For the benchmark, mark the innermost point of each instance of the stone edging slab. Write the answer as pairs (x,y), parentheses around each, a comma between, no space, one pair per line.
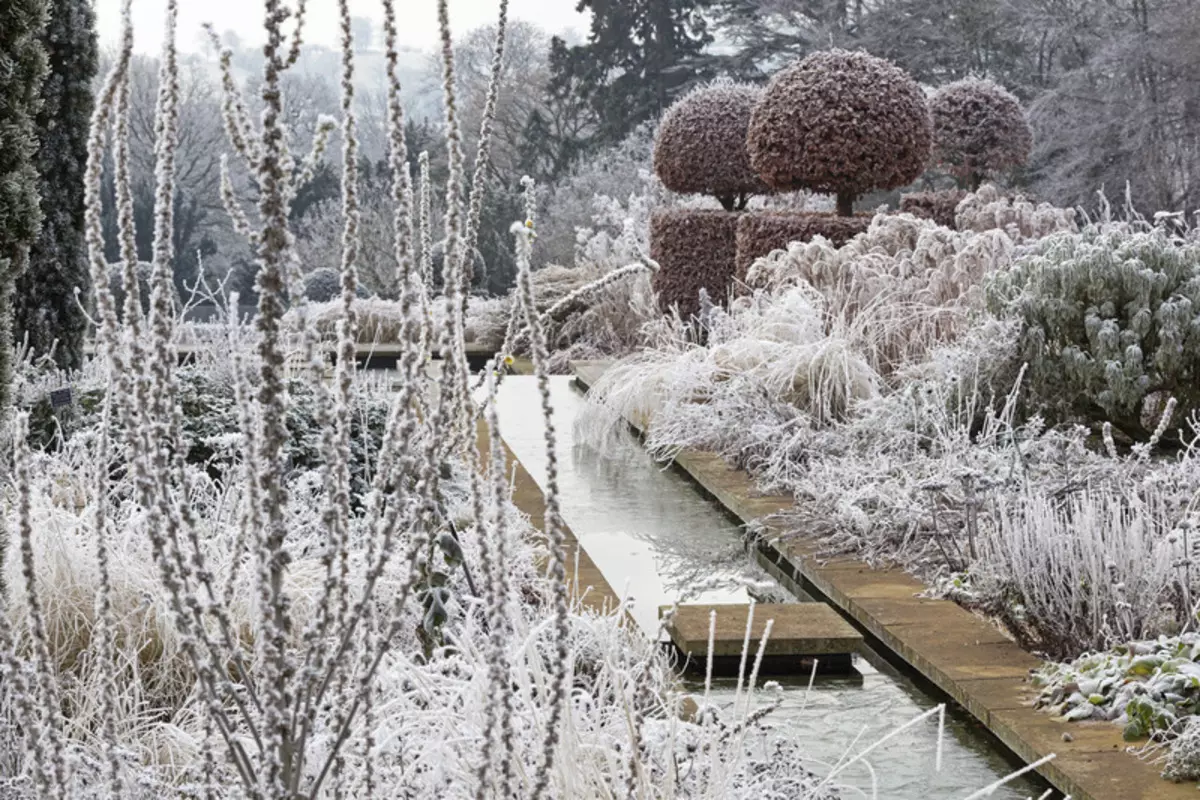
(962,654)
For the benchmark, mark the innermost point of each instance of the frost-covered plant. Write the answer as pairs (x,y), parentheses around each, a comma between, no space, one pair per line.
(979,130)
(1022,219)
(1085,569)
(324,284)
(1109,321)
(840,122)
(700,146)
(914,280)
(1150,687)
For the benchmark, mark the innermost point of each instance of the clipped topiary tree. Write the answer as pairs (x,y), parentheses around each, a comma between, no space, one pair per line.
(1109,320)
(979,130)
(841,123)
(700,146)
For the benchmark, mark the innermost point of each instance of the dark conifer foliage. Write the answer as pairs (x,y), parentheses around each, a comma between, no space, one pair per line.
(640,56)
(44,305)
(22,69)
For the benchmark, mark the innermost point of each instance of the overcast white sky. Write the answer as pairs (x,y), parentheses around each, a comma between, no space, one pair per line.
(417,19)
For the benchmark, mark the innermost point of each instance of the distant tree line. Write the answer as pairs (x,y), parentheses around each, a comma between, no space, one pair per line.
(1109,86)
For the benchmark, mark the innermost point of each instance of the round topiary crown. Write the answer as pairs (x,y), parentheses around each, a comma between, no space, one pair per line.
(979,129)
(840,122)
(700,147)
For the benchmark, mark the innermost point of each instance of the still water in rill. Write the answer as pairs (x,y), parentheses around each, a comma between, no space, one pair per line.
(658,541)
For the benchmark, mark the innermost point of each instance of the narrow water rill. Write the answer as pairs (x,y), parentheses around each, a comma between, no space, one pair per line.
(657,540)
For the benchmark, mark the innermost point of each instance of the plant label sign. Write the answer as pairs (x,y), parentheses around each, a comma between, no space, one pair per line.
(60,397)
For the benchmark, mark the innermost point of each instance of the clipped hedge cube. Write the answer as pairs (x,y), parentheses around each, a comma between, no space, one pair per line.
(695,249)
(760,233)
(937,206)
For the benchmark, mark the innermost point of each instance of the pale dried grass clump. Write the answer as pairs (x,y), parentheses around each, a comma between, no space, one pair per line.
(775,347)
(907,283)
(1022,219)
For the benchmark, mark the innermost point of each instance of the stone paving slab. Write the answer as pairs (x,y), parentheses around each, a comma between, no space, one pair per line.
(798,629)
(964,655)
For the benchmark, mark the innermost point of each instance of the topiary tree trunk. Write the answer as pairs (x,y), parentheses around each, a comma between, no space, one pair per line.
(44,306)
(845,204)
(734,201)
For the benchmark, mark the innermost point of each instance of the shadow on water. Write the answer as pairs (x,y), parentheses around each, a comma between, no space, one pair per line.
(658,540)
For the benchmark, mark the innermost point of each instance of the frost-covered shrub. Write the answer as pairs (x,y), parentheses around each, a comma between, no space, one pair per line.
(324,285)
(1110,318)
(478,266)
(695,249)
(843,123)
(988,209)
(700,147)
(938,206)
(979,130)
